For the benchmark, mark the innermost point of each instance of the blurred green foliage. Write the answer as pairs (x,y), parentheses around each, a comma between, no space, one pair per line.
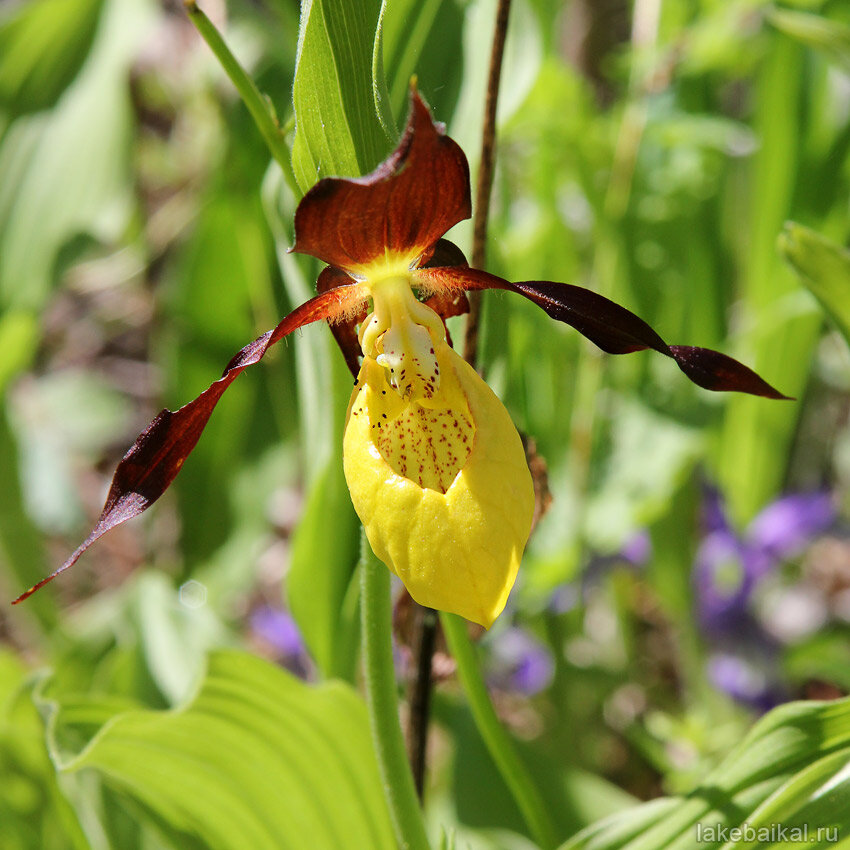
(652,152)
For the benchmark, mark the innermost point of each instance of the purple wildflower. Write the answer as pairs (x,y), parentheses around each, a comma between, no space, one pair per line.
(744,681)
(276,628)
(727,571)
(785,527)
(521,663)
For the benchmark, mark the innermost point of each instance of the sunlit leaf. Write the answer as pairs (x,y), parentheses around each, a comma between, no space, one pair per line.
(832,37)
(423,39)
(790,770)
(66,173)
(338,128)
(257,759)
(824,268)
(43,44)
(325,550)
(33,811)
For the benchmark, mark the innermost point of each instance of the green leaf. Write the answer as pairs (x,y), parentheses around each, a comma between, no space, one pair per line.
(832,37)
(67,172)
(319,583)
(337,98)
(790,770)
(424,38)
(824,268)
(783,327)
(42,46)
(257,759)
(574,797)
(33,811)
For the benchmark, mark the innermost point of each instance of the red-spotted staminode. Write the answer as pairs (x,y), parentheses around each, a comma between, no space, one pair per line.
(435,467)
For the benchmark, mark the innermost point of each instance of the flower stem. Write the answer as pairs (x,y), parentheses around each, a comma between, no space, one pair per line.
(496,738)
(419,691)
(484,183)
(257,104)
(382,701)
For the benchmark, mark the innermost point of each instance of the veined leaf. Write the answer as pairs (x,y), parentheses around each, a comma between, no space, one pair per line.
(33,811)
(257,759)
(789,771)
(338,117)
(824,268)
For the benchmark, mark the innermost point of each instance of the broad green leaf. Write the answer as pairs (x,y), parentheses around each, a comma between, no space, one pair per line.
(66,173)
(43,44)
(423,38)
(319,587)
(338,128)
(832,37)
(790,770)
(257,759)
(824,268)
(33,811)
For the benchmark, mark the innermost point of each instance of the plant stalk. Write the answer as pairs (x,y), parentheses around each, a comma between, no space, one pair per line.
(382,702)
(419,693)
(496,738)
(484,184)
(257,104)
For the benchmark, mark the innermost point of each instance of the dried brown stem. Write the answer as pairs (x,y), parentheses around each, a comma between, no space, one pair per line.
(419,694)
(484,184)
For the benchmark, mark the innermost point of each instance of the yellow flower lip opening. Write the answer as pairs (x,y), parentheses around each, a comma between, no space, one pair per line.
(436,469)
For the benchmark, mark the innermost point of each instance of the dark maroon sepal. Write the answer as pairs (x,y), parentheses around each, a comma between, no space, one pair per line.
(344,330)
(612,327)
(154,460)
(398,211)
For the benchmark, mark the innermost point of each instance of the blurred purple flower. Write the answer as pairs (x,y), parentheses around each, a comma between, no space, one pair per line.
(729,566)
(276,628)
(637,550)
(745,682)
(785,527)
(521,663)
(728,569)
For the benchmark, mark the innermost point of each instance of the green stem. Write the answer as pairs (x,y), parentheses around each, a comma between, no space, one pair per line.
(260,108)
(382,701)
(496,738)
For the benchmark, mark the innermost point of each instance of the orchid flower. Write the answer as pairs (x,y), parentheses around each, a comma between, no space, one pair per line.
(436,469)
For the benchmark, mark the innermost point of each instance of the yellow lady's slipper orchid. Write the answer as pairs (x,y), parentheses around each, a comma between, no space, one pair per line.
(435,467)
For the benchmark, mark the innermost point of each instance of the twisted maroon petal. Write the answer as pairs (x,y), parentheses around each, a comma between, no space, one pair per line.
(398,211)
(612,327)
(154,460)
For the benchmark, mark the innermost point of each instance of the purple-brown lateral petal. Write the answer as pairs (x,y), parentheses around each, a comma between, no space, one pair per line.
(156,457)
(344,330)
(613,328)
(398,211)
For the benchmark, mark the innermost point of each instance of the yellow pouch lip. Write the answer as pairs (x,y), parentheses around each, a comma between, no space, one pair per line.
(458,551)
